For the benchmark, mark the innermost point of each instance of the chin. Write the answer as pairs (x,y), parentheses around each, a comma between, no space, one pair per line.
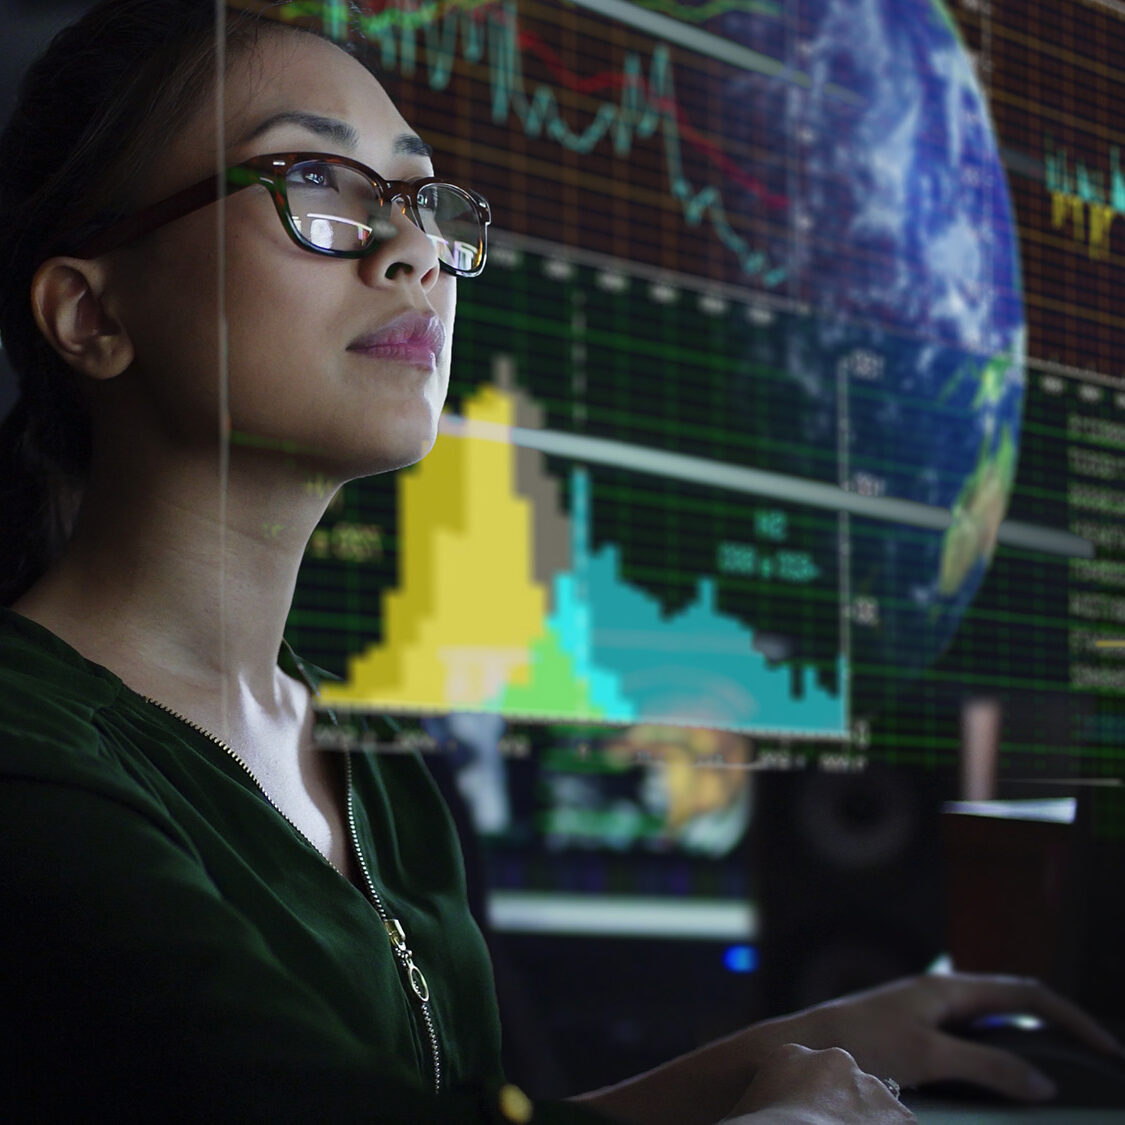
(400,454)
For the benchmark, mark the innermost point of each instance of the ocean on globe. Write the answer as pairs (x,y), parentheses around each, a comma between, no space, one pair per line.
(905,315)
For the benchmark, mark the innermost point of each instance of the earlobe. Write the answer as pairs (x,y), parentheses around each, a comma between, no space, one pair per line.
(67,298)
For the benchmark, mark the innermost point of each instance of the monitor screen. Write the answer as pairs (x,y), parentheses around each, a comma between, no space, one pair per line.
(790,403)
(786,426)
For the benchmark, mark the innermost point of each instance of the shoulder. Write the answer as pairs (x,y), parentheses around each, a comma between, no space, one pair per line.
(51,705)
(39,669)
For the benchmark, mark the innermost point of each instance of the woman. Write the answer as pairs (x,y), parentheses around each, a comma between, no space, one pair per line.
(200,369)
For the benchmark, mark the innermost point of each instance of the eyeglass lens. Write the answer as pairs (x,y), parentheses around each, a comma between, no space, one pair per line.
(335,207)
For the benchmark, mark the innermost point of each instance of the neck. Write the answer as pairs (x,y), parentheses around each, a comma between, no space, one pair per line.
(184,578)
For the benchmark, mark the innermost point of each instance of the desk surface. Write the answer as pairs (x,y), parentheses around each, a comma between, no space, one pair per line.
(935,1114)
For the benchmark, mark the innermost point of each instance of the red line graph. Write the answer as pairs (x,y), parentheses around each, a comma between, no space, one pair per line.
(596,83)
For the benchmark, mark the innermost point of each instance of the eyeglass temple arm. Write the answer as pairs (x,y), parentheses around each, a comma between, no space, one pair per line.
(166,211)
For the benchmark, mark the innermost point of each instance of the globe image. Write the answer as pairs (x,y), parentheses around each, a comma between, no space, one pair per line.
(909,346)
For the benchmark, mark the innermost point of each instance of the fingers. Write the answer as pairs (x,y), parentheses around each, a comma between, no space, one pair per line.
(819,1086)
(994,1069)
(971,995)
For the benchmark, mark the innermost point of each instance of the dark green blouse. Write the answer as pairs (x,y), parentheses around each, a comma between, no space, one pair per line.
(174,948)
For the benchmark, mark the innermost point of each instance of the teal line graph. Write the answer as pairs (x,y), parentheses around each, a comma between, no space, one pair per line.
(708,10)
(1082,197)
(334,16)
(490,32)
(1084,183)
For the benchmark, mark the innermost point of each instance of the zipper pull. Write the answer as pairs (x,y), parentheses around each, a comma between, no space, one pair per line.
(398,940)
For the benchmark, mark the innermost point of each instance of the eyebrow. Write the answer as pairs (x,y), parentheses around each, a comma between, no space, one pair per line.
(339,132)
(410,144)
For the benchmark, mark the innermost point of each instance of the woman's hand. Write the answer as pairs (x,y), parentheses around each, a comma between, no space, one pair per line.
(896,1030)
(795,1084)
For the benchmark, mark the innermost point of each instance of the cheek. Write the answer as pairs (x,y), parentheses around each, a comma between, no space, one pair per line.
(171,311)
(278,323)
(445,299)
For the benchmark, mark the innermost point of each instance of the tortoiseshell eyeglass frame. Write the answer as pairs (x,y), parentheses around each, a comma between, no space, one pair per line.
(271,172)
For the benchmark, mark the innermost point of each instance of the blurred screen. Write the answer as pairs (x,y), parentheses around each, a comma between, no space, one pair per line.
(790,403)
(787,422)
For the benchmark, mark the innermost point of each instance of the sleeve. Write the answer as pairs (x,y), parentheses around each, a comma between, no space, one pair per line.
(132,989)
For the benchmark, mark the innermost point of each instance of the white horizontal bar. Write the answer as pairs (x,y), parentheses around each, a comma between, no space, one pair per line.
(622,915)
(758,482)
(1058,810)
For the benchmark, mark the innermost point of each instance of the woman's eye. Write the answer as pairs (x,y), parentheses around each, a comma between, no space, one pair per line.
(316,175)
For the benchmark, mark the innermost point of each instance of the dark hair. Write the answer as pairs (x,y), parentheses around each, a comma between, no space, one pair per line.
(92,114)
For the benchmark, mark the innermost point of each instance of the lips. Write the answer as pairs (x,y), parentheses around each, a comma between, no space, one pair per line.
(416,338)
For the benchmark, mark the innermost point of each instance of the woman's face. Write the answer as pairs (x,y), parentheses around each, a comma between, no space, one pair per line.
(299,379)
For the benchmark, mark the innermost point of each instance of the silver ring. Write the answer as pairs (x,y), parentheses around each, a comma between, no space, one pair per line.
(893,1086)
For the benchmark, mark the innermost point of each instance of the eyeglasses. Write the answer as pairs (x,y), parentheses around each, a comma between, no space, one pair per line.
(330,205)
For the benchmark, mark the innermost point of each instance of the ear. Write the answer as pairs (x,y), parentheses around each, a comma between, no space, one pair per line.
(68,301)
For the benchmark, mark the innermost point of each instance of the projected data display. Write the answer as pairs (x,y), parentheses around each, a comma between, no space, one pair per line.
(791,400)
(608,584)
(750,286)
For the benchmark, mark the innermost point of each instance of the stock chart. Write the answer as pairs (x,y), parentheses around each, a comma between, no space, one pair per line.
(791,400)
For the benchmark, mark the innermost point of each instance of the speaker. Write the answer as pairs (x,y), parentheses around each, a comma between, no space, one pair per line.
(849,881)
(1094,928)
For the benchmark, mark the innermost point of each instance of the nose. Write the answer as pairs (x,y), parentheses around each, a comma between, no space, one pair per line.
(406,252)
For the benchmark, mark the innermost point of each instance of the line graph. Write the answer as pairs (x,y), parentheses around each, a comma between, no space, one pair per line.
(611,80)
(644,106)
(334,14)
(490,34)
(1082,197)
(709,10)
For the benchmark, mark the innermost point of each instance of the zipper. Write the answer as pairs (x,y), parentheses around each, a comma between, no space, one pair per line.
(396,935)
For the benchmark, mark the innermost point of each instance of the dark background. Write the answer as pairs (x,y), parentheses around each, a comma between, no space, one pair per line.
(623,1004)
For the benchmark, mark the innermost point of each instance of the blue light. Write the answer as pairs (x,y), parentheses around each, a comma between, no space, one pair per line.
(740,958)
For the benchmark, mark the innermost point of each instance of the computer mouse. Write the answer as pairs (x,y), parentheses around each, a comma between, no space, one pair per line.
(1084,1076)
